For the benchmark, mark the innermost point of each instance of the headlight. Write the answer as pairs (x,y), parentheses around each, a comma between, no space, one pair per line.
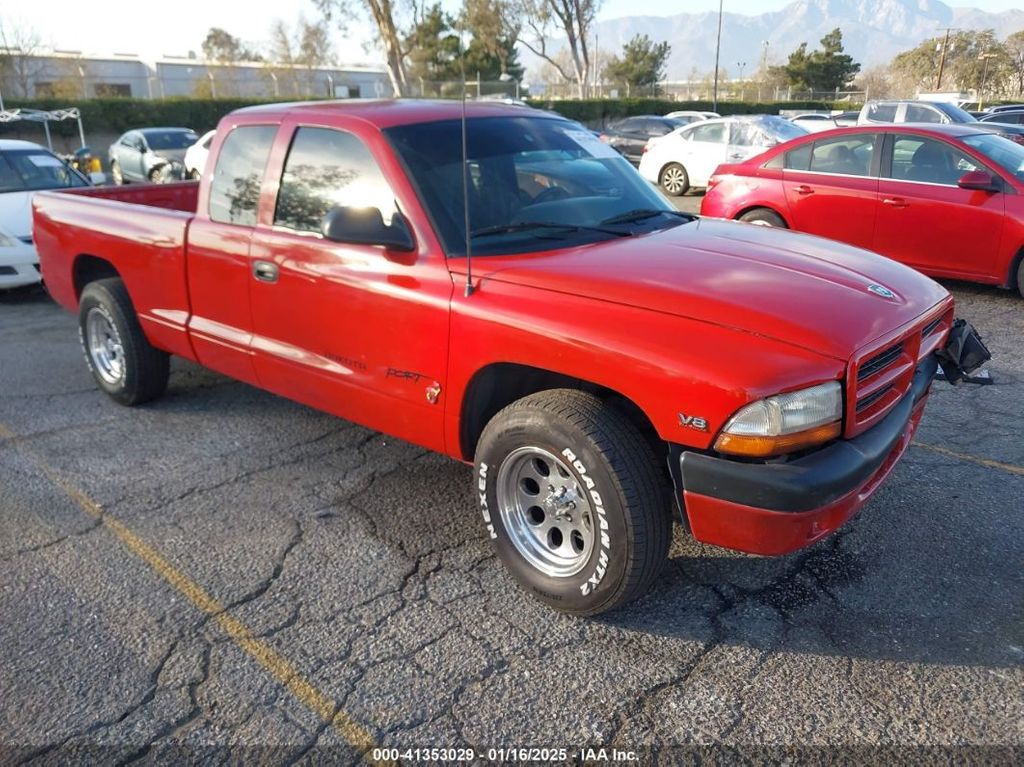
(7,242)
(785,423)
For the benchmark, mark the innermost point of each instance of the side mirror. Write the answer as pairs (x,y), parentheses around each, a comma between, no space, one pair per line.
(365,226)
(981,180)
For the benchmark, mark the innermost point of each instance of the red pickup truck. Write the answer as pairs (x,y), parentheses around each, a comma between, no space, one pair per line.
(501,287)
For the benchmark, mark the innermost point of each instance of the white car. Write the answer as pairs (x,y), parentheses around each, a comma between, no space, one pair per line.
(815,122)
(687,157)
(25,168)
(691,116)
(195,155)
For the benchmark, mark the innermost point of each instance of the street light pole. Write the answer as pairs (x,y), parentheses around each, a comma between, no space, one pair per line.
(984,78)
(942,59)
(718,49)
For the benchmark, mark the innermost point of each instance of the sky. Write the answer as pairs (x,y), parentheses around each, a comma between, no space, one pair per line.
(59,22)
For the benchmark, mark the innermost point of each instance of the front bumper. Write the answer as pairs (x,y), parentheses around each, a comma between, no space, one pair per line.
(777,508)
(19,266)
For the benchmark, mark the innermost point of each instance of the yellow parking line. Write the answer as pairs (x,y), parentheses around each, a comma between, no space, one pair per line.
(279,667)
(987,462)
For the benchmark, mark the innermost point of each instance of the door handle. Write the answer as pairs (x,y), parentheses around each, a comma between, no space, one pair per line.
(896,202)
(264,271)
(803,189)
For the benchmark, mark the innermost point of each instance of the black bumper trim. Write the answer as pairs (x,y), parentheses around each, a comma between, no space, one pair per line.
(815,480)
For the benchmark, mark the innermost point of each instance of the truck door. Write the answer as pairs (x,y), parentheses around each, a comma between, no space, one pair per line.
(357,330)
(218,254)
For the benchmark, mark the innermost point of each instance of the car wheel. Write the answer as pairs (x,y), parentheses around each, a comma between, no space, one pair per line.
(1020,278)
(115,173)
(123,362)
(763,217)
(573,499)
(674,180)
(157,175)
(194,174)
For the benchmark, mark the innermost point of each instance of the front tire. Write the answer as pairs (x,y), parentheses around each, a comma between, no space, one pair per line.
(116,173)
(123,362)
(574,502)
(674,180)
(764,217)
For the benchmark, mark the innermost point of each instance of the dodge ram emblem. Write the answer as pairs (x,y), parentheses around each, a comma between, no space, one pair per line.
(881,290)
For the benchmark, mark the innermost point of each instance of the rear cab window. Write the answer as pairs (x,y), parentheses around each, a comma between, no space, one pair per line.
(882,113)
(237,177)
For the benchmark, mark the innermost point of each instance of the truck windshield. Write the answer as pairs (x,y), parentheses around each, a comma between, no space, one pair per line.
(31,170)
(534,184)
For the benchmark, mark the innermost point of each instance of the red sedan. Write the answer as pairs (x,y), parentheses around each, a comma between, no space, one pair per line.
(945,199)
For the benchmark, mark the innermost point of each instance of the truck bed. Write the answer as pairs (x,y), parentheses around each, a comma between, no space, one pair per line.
(139,231)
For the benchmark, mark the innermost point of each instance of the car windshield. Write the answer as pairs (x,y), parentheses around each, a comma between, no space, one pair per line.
(1007,154)
(782,129)
(170,139)
(533,184)
(33,169)
(955,113)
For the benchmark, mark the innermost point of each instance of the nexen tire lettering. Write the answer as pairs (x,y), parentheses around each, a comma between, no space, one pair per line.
(484,509)
(602,522)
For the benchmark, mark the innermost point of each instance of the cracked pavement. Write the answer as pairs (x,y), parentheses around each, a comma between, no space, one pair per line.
(363,562)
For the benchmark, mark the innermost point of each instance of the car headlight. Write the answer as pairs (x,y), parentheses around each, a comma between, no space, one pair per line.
(785,423)
(7,242)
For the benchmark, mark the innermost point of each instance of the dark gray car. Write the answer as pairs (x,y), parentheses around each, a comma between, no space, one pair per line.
(150,154)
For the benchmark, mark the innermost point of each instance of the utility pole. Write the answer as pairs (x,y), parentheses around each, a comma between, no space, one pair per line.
(942,58)
(984,77)
(718,49)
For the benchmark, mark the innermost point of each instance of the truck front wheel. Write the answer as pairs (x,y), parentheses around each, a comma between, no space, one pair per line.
(571,495)
(119,356)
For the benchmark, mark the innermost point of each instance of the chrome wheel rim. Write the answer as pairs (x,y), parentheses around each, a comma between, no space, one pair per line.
(115,172)
(104,344)
(674,180)
(761,223)
(545,512)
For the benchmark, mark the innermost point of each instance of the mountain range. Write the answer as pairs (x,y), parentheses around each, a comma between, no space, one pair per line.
(873,32)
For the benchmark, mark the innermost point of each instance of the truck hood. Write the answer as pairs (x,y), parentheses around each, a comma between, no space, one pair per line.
(810,292)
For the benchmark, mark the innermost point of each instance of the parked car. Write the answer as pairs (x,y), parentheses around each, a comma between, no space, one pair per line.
(845,119)
(26,168)
(935,112)
(688,156)
(947,200)
(1008,117)
(1005,108)
(814,122)
(195,155)
(150,154)
(688,116)
(628,137)
(599,354)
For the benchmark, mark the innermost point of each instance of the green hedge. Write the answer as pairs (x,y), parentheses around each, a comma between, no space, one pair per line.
(600,110)
(117,115)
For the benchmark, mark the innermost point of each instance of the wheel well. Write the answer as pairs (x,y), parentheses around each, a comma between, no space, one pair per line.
(501,384)
(89,269)
(751,208)
(1011,278)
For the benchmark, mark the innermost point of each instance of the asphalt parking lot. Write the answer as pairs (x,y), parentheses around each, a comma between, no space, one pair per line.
(229,576)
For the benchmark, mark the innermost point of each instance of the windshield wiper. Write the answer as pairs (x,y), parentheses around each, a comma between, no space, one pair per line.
(640,214)
(526,226)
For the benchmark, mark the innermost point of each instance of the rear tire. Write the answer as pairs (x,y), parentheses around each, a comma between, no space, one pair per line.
(116,174)
(573,499)
(123,362)
(1020,278)
(674,180)
(764,217)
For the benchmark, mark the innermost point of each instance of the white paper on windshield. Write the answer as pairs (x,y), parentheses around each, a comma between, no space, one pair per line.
(45,161)
(592,144)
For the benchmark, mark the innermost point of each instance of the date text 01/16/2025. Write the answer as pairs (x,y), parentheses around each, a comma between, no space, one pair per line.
(504,754)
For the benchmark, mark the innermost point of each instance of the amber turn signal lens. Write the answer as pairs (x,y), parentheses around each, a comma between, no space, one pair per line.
(769,447)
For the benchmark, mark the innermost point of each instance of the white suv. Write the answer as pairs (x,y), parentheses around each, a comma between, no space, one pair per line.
(911,111)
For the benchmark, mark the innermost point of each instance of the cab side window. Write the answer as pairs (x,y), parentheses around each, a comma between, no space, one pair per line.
(325,168)
(918,113)
(235,189)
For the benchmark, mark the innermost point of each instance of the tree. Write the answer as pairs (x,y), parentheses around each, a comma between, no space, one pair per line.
(641,64)
(382,13)
(308,46)
(433,47)
(223,47)
(827,69)
(973,61)
(538,20)
(20,65)
(1015,50)
(494,28)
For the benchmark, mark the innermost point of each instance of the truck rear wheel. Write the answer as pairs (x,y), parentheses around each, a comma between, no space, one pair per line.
(573,499)
(123,362)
